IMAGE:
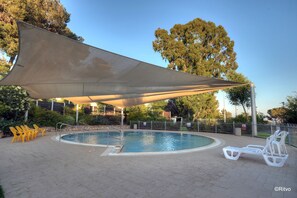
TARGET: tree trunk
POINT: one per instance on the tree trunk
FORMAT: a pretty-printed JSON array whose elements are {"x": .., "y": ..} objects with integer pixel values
[{"x": 246, "y": 116}]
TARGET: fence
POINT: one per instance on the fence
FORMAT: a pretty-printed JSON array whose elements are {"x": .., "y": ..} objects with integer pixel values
[{"x": 213, "y": 126}]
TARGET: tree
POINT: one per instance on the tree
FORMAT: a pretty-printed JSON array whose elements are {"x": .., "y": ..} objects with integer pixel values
[
  {"x": 227, "y": 114},
  {"x": 239, "y": 95},
  {"x": 4, "y": 67},
  {"x": 47, "y": 14},
  {"x": 139, "y": 112},
  {"x": 156, "y": 109},
  {"x": 199, "y": 48},
  {"x": 291, "y": 105},
  {"x": 278, "y": 113},
  {"x": 203, "y": 106},
  {"x": 13, "y": 101}
]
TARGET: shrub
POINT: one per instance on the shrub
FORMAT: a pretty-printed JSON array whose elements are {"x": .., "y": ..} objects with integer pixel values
[
  {"x": 13, "y": 101},
  {"x": 44, "y": 117},
  {"x": 69, "y": 119},
  {"x": 85, "y": 119},
  {"x": 100, "y": 120},
  {"x": 5, "y": 124}
]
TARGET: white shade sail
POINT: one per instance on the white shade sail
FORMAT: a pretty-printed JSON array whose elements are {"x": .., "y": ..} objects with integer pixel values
[{"x": 53, "y": 66}]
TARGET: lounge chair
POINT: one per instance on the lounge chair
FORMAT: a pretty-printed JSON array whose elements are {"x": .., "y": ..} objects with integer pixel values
[
  {"x": 29, "y": 133},
  {"x": 24, "y": 132},
  {"x": 33, "y": 131},
  {"x": 279, "y": 143},
  {"x": 16, "y": 135},
  {"x": 42, "y": 130},
  {"x": 274, "y": 152}
]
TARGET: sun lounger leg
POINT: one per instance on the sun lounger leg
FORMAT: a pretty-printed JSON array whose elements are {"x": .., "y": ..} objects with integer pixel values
[
  {"x": 231, "y": 154},
  {"x": 275, "y": 161}
]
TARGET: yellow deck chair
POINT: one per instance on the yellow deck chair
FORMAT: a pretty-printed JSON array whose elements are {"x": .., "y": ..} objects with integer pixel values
[
  {"x": 33, "y": 131},
  {"x": 29, "y": 132},
  {"x": 16, "y": 135},
  {"x": 42, "y": 130},
  {"x": 21, "y": 131}
]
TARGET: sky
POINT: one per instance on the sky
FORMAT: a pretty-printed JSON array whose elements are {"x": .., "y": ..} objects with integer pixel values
[{"x": 264, "y": 32}]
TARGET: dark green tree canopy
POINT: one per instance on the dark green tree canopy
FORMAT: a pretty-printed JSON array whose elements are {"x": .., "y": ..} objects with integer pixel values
[
  {"x": 278, "y": 113},
  {"x": 202, "y": 106},
  {"x": 198, "y": 47},
  {"x": 291, "y": 105},
  {"x": 239, "y": 95},
  {"x": 47, "y": 14}
]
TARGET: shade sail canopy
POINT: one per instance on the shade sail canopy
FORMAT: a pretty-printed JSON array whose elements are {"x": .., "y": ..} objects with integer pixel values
[{"x": 53, "y": 66}]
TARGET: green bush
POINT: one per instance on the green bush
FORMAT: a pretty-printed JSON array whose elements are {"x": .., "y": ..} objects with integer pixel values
[
  {"x": 43, "y": 117},
  {"x": 100, "y": 120},
  {"x": 85, "y": 119},
  {"x": 69, "y": 111},
  {"x": 69, "y": 119},
  {"x": 5, "y": 124}
]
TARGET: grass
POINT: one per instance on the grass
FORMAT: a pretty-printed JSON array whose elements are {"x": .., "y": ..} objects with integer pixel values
[
  {"x": 266, "y": 135},
  {"x": 1, "y": 192},
  {"x": 263, "y": 135}
]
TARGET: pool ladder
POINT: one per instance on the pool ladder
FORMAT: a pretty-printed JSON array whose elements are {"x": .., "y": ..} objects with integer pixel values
[
  {"x": 59, "y": 126},
  {"x": 119, "y": 147}
]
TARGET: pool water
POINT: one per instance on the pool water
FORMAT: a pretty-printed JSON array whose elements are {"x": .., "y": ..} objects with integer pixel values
[{"x": 140, "y": 141}]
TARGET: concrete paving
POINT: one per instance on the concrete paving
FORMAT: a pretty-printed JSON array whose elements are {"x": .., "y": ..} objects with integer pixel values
[{"x": 46, "y": 168}]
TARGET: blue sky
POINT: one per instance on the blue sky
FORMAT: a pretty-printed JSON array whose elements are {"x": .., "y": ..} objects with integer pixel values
[{"x": 264, "y": 32}]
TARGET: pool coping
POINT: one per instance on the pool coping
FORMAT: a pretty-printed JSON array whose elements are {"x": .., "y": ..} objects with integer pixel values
[{"x": 111, "y": 149}]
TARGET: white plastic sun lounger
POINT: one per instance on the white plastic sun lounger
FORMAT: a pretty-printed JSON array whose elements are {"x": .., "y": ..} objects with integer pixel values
[{"x": 274, "y": 152}]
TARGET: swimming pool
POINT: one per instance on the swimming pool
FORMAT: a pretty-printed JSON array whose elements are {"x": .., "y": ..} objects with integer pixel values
[{"x": 141, "y": 141}]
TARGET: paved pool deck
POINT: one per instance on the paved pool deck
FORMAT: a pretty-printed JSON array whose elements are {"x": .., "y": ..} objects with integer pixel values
[{"x": 44, "y": 168}]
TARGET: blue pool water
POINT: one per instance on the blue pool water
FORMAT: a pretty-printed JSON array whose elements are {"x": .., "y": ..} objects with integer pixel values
[{"x": 139, "y": 141}]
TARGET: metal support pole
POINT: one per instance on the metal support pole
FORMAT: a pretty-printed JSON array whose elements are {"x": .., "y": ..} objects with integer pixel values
[
  {"x": 165, "y": 125},
  {"x": 198, "y": 126},
  {"x": 76, "y": 118},
  {"x": 253, "y": 109},
  {"x": 36, "y": 103},
  {"x": 26, "y": 115},
  {"x": 122, "y": 117},
  {"x": 104, "y": 108},
  {"x": 224, "y": 112},
  {"x": 233, "y": 127},
  {"x": 151, "y": 125},
  {"x": 52, "y": 107},
  {"x": 64, "y": 108}
]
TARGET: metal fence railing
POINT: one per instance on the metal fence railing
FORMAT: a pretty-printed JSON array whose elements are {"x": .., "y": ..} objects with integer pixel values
[{"x": 213, "y": 126}]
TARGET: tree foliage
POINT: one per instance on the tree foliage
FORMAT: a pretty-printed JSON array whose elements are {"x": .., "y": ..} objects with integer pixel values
[
  {"x": 139, "y": 112},
  {"x": 198, "y": 47},
  {"x": 203, "y": 106},
  {"x": 291, "y": 105},
  {"x": 151, "y": 111},
  {"x": 278, "y": 113},
  {"x": 13, "y": 101},
  {"x": 201, "y": 48},
  {"x": 4, "y": 68},
  {"x": 239, "y": 95},
  {"x": 47, "y": 14}
]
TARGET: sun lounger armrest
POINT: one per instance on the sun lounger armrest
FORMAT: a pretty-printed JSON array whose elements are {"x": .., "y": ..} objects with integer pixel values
[{"x": 255, "y": 146}]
